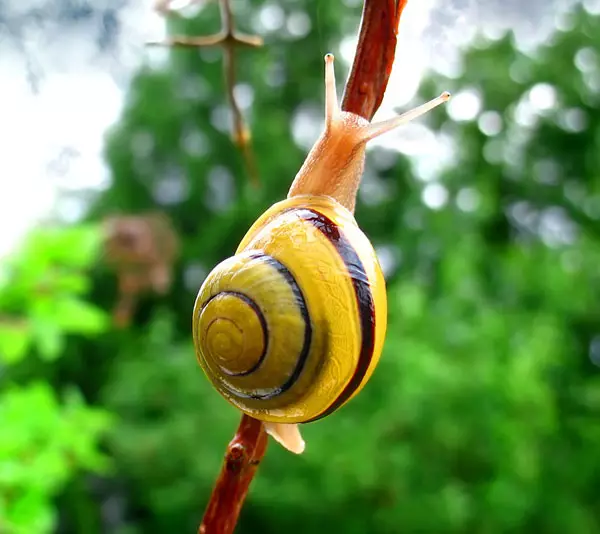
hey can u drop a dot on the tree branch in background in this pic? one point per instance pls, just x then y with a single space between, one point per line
228 38
363 95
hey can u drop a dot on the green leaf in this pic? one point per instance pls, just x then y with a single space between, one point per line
49 338
78 316
14 341
31 512
76 246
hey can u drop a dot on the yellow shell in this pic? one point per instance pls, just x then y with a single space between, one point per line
292 326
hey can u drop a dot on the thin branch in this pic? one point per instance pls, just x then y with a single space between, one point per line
374 57
227 15
218 39
241 134
364 92
243 455
228 38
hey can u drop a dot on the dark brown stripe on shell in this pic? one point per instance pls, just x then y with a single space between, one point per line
364 299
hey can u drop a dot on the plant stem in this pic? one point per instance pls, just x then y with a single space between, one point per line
364 92
243 455
374 57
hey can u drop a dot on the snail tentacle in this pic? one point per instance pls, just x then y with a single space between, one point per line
334 166
331 100
379 128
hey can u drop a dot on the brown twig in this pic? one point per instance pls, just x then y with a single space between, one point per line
244 453
228 38
374 57
364 92
241 133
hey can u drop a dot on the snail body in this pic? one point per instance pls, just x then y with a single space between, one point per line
292 326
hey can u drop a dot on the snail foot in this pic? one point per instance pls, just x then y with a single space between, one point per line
287 435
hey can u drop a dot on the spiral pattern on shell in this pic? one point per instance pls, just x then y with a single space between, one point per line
292 326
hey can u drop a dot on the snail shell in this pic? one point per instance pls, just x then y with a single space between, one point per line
291 328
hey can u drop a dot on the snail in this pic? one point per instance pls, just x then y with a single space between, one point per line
292 326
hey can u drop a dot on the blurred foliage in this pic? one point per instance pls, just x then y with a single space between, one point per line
46 438
41 292
482 416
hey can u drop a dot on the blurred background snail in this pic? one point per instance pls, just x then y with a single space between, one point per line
292 327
